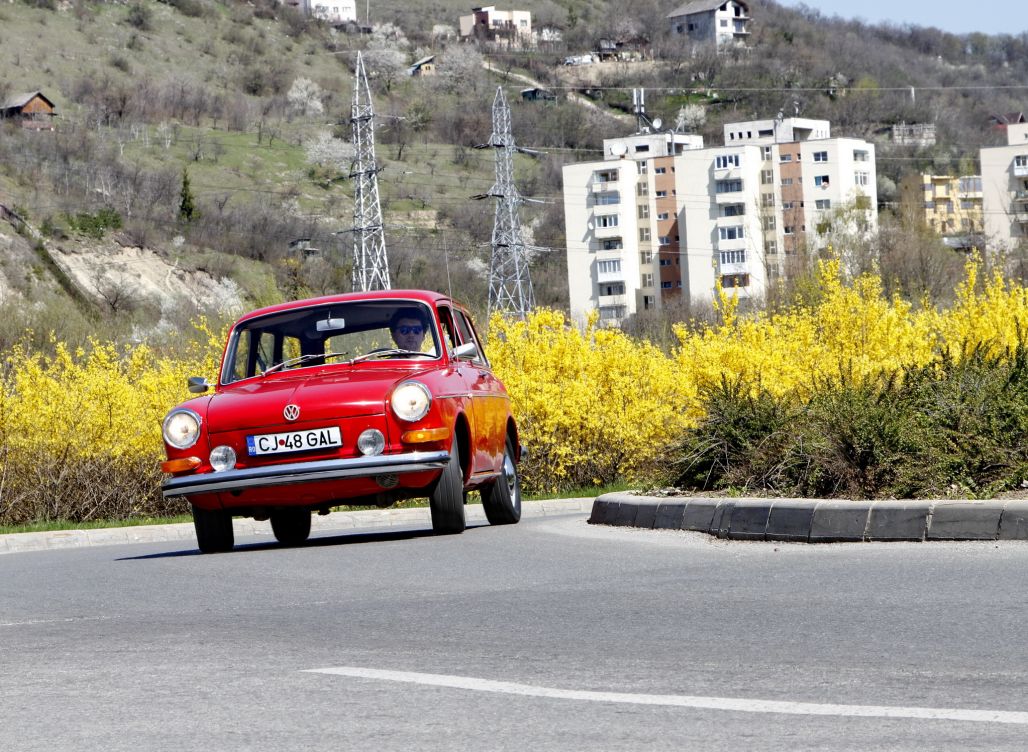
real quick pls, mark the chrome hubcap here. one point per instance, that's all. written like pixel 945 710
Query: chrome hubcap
pixel 511 474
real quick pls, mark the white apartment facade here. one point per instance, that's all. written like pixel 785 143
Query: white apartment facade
pixel 333 11
pixel 491 24
pixel 662 220
pixel 1005 190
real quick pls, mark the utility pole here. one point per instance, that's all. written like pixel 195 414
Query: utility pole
pixel 370 265
pixel 510 287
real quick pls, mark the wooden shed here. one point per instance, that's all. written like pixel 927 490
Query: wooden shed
pixel 33 110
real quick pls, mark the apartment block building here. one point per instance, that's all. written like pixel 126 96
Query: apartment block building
pixel 953 209
pixel 1005 190
pixel 662 218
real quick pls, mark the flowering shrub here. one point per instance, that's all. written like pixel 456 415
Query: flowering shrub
pixel 824 398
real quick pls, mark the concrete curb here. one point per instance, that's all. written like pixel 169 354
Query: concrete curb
pixel 336 521
pixel 818 520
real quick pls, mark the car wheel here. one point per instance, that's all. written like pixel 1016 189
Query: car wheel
pixel 447 499
pixel 291 526
pixel 213 530
pixel 502 500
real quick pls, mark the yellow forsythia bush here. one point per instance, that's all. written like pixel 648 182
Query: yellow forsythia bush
pixel 80 431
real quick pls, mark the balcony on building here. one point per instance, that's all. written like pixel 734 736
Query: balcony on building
pixel 1020 166
pixel 612 301
pixel 606 278
pixel 603 233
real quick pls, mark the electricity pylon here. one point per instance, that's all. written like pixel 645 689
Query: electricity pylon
pixel 510 287
pixel 370 265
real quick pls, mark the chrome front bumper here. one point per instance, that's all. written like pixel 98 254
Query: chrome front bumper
pixel 304 472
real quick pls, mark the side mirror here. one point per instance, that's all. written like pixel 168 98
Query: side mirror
pixel 197 384
pixel 468 351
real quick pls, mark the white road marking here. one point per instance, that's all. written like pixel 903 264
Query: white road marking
pixel 742 705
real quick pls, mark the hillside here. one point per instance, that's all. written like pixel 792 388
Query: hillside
pixel 251 102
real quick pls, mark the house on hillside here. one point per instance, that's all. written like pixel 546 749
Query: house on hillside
pixel 332 11
pixel 514 27
pixel 533 94
pixel 626 49
pixel 1000 122
pixel 33 110
pixel 913 134
pixel 423 67
pixel 722 23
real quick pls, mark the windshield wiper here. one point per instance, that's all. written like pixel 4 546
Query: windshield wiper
pixel 303 359
pixel 387 353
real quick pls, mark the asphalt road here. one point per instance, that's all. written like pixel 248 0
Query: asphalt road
pixel 549 635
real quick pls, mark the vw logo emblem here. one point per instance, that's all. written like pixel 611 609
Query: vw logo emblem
pixel 292 412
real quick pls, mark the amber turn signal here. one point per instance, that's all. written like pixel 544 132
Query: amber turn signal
pixel 177 466
pixel 421 435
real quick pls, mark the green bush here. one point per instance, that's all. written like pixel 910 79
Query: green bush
pixel 954 427
pixel 95 225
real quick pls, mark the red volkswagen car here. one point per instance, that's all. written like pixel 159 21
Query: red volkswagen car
pixel 359 399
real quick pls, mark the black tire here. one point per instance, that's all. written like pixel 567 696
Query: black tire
pixel 213 530
pixel 447 499
pixel 502 500
pixel 291 526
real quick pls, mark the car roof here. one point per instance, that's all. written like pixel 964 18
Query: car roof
pixel 423 296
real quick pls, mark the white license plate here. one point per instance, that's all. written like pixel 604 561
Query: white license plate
pixel 294 441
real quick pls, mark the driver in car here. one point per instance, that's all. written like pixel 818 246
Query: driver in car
pixel 408 327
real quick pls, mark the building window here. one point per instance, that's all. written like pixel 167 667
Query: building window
pixel 608 266
pixel 735 280
pixel 612 244
pixel 612 313
pixel 607 220
pixel 648 302
pixel 859 155
pixel 644 212
pixel 823 203
pixel 821 180
pixel 971 185
pixel 767 177
pixel 665 262
pixel 732 257
pixel 644 234
pixel 647 280
pixel 663 215
pixel 771 248
pixel 665 285
pixel 644 167
pixel 614 288
pixel 725 161
pixel 788 205
pixel 730 233
pixel 785 157
pixel 645 257
pixel 1021 160
pixel 728 186
pixel 733 210
pixel 608 199
pixel 642 148
pixel 769 223
pixel 642 189
pixel 606 176
pixel 664 240
pixel 661 194
pixel 786 181
pixel 860 178
pixel 820 156
pixel 767 199
pixel 765 151
pixel 788 229
pixel 659 170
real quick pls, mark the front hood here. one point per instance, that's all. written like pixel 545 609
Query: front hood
pixel 322 397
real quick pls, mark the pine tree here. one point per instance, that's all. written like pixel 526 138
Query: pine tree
pixel 186 208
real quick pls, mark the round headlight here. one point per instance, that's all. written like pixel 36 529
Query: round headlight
pixel 411 401
pixel 181 428
pixel 223 458
pixel 371 442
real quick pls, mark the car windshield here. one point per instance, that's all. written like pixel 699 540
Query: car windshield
pixel 331 333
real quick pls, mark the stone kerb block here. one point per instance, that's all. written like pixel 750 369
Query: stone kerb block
pixel 722 518
pixel 900 520
pixel 749 519
pixel 965 520
pixel 699 514
pixel 1013 525
pixel 790 520
pixel 669 514
pixel 601 508
pixel 626 513
pixel 647 514
pixel 839 521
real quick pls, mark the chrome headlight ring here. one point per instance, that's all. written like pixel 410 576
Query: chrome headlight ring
pixel 181 428
pixel 411 401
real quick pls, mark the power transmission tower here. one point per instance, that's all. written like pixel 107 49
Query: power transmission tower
pixel 370 265
pixel 510 287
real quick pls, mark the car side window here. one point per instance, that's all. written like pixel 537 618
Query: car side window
pixel 449 333
pixel 467 334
